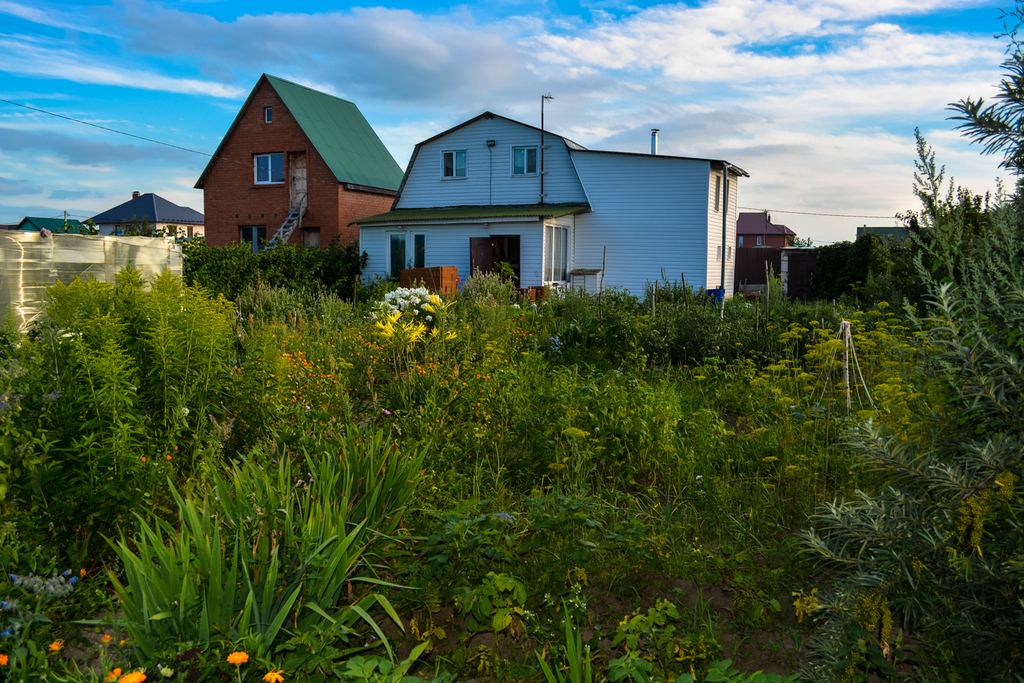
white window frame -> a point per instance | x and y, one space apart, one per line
536 161
268 114
562 233
455 164
410 247
256 168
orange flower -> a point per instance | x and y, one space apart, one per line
274 676
56 646
113 676
81 573
238 658
168 457
3 660
106 639
143 458
133 677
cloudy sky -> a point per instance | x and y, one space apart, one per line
816 99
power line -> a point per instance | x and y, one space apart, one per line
812 213
112 130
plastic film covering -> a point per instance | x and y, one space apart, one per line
31 262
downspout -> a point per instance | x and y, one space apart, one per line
725 218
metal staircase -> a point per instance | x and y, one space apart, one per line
291 222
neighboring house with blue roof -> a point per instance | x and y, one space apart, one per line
490 191
299 161
155 210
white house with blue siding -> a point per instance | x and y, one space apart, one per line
487 191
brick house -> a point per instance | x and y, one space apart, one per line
757 230
292 149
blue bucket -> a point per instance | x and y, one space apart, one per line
718 294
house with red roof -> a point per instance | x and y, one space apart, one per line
757 230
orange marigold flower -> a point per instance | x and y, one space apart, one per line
3 660
106 639
56 646
113 675
238 658
143 458
133 677
81 572
274 676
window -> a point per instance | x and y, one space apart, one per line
311 238
729 253
453 164
396 253
269 169
268 114
254 235
524 161
419 251
741 240
718 193
718 253
758 240
556 253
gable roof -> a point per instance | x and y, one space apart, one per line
151 207
338 131
486 115
450 213
760 224
51 224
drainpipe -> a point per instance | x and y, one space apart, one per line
542 99
654 141
725 217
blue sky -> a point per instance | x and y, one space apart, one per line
816 99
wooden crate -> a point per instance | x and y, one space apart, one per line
442 279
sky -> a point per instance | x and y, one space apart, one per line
816 99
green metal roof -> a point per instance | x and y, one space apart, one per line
338 131
450 213
51 224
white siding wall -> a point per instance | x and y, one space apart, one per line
714 270
489 170
448 245
651 213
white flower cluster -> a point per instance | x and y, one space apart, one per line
407 301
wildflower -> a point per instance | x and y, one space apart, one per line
133 677
3 660
81 572
106 639
274 676
56 646
238 658
122 642
113 675
168 457
143 458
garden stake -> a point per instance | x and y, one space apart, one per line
844 330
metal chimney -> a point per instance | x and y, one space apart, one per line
654 140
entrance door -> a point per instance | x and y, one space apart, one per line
487 253
297 186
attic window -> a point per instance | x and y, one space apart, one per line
268 114
453 164
268 169
524 161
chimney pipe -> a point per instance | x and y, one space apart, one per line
135 195
654 140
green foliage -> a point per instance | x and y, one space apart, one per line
938 545
231 270
265 557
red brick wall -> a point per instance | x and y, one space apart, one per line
766 241
231 197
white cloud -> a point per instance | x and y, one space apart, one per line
25 58
48 17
